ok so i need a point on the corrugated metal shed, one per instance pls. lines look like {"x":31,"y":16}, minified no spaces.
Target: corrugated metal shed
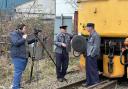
{"x":11,"y":4}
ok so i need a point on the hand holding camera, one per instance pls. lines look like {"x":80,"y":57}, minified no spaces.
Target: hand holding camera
{"x":25,"y":36}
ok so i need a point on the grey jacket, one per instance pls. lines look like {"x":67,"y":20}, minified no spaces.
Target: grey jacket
{"x":60,"y":39}
{"x":93,"y":45}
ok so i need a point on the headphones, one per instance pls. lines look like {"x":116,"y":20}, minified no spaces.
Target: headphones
{"x":20,"y":26}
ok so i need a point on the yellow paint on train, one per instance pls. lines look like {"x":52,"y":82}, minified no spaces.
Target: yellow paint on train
{"x":109,"y":16}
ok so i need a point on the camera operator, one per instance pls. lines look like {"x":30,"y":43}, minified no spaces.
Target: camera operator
{"x":19,"y":53}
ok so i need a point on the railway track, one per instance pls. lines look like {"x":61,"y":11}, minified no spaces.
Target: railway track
{"x":106,"y":84}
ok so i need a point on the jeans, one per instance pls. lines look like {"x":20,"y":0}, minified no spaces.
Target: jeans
{"x":19,"y":67}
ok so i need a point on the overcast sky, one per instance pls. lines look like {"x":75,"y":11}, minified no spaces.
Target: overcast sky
{"x":62,"y":7}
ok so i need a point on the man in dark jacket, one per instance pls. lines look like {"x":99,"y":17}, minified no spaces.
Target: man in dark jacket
{"x":93,"y":52}
{"x":19,"y":53}
{"x":62,"y":43}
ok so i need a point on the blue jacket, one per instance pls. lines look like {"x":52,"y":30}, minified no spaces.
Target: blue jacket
{"x":18,"y":45}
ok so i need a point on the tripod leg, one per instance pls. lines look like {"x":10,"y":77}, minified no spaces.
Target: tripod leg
{"x":46,"y":50}
{"x":31,"y":73}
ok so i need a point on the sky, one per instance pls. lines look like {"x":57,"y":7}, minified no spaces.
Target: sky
{"x":62,"y":7}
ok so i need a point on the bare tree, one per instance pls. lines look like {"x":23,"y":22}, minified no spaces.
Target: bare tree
{"x":73,"y":3}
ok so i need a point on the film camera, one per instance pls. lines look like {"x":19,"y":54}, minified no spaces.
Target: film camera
{"x":36,"y":31}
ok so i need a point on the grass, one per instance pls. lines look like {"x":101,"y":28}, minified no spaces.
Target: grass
{"x":44,"y":70}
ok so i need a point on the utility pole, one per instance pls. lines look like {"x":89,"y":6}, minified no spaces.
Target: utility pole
{"x":6,"y":4}
{"x":55,"y":8}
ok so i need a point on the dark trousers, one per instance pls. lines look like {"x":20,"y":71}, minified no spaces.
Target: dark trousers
{"x":62,"y":61}
{"x":92,"y":75}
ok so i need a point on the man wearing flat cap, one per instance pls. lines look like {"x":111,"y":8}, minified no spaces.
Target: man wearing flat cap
{"x":62,"y":50}
{"x":92,"y":54}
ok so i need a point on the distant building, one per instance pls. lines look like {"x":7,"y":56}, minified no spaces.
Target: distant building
{"x":9,"y":5}
{"x":37,"y":8}
{"x":7,"y":8}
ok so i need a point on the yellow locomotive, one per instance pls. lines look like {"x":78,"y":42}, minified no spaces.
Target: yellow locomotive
{"x":111,"y":22}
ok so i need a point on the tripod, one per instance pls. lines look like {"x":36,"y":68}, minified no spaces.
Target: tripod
{"x":34,"y":54}
{"x":33,"y":59}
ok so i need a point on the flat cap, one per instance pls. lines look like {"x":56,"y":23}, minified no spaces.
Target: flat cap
{"x":90,"y":25}
{"x":63,"y":27}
